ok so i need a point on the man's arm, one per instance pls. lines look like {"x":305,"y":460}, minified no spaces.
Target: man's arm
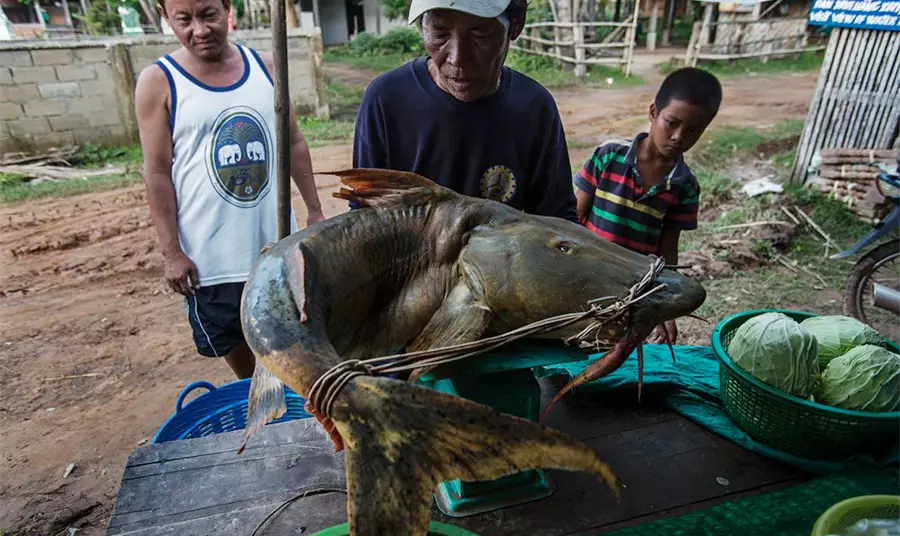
{"x":553,"y":194}
{"x":301,"y":160}
{"x":152,"y":110}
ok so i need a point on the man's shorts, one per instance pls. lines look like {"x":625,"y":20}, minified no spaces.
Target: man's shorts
{"x":215,"y":317}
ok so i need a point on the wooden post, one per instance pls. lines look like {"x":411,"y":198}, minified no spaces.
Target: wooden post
{"x":40,"y":16}
{"x":282,"y":125}
{"x":705,"y":28}
{"x":66,"y":13}
{"x":669,"y":23}
{"x":632,"y":37}
{"x":651,"y":30}
{"x":123,"y":76}
{"x":580,"y":65}
{"x":316,"y":14}
{"x":690,"y":53}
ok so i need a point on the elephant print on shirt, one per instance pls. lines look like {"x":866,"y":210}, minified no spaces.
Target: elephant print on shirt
{"x":255,"y":151}
{"x":229,"y":154}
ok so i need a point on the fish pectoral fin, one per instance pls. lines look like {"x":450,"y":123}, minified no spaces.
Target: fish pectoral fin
{"x":402,"y":440}
{"x":386,"y":187}
{"x":461,"y":318}
{"x":265,"y":401}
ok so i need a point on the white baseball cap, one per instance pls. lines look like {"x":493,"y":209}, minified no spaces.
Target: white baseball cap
{"x":480,"y":8}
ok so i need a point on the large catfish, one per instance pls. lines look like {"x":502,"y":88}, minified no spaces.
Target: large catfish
{"x":424,"y":267}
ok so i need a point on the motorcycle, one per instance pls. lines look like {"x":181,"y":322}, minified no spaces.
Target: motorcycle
{"x":869,"y":296}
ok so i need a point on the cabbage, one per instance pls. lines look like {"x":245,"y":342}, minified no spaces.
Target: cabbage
{"x":778,"y":351}
{"x":836,"y":335}
{"x":867,"y":378}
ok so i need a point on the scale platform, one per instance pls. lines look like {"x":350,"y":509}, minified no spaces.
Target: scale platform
{"x":502,"y":379}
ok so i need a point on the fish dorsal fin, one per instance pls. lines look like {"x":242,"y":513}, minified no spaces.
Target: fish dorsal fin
{"x":385,"y":187}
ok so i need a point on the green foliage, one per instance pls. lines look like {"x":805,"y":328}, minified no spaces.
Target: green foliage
{"x":395,"y":9}
{"x":98,"y":156}
{"x":319,"y":132}
{"x":16,"y":192}
{"x":800,"y":63}
{"x":403,"y":40}
{"x":101,"y":20}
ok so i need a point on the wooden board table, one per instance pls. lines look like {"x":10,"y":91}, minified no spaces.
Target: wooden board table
{"x":669,"y":465}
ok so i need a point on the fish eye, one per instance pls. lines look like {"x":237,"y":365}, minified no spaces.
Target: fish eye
{"x":564,"y":247}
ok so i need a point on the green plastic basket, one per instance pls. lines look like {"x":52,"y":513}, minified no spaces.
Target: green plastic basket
{"x":789,"y":423}
{"x":844,"y":514}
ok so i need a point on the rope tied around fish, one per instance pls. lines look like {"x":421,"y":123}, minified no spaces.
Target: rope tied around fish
{"x":326,"y":388}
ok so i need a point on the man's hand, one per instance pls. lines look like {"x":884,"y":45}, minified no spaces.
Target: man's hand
{"x":314,"y":217}
{"x":658,"y":336}
{"x":181,"y":274}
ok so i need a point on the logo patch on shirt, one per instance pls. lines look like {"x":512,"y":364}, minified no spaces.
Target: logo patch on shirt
{"x":239,"y":156}
{"x":498,"y":183}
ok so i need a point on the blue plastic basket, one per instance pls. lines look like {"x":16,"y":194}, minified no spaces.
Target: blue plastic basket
{"x":222,"y":409}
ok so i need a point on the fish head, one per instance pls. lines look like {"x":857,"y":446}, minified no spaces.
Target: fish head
{"x":529,"y":268}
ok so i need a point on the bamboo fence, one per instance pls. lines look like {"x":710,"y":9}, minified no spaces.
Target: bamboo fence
{"x":582,"y":50}
{"x":742,"y":39}
{"x":856,"y":104}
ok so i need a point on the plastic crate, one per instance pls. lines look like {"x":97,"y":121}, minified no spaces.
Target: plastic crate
{"x":789,"y":423}
{"x":222,"y":409}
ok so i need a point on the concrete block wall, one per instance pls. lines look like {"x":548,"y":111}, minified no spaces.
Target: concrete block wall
{"x":58,"y":93}
{"x":55,"y":97}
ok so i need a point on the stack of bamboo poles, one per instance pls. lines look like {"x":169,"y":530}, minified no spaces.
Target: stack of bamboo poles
{"x":849,"y":175}
{"x":857,"y":98}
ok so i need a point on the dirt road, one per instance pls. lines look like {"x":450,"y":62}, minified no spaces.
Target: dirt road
{"x":81,"y":294}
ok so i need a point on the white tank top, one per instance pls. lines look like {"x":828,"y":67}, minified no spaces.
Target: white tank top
{"x":223,"y":168}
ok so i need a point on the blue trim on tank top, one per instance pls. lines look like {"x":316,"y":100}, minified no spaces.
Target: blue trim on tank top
{"x":173,"y":95}
{"x":200,"y":84}
{"x":262,"y":65}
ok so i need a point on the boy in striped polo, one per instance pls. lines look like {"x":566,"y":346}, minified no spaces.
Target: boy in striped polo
{"x":640,"y":193}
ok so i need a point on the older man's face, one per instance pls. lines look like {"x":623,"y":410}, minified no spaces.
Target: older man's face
{"x":467,"y":52}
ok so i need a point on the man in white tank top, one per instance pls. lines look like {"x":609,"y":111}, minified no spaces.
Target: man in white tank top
{"x":206,"y":117}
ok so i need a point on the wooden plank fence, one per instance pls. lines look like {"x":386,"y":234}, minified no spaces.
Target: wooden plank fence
{"x":583,"y":48}
{"x":856,"y":104}
{"x":742,"y":39}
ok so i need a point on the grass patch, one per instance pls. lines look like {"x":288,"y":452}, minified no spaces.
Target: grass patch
{"x":375,"y":63}
{"x":772,"y":286}
{"x":14,"y":190}
{"x":343,"y":94}
{"x":783,"y":161}
{"x":386,"y":52}
{"x":18,"y":191}
{"x":97,"y":156}
{"x":801,"y":63}
{"x":545,"y":72}
{"x":321,"y":132}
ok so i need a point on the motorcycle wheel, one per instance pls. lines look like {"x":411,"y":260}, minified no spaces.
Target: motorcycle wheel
{"x":857,"y":299}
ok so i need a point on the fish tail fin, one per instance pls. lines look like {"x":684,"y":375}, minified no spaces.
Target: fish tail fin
{"x":265,"y":401}
{"x":402,"y":440}
{"x":384,"y":187}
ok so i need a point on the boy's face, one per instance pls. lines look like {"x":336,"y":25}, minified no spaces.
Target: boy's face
{"x":678,"y":126}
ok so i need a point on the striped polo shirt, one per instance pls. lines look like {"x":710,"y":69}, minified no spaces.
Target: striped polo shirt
{"x":622,"y":211}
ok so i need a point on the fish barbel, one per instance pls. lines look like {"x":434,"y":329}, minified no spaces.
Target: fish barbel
{"x":423,"y":267}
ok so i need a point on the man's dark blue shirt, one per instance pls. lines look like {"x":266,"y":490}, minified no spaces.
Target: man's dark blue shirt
{"x":509,"y":147}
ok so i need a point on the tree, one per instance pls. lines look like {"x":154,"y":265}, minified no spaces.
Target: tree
{"x":396,"y":9}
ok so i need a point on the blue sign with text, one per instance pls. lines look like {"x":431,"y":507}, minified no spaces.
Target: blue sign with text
{"x":863,"y":14}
